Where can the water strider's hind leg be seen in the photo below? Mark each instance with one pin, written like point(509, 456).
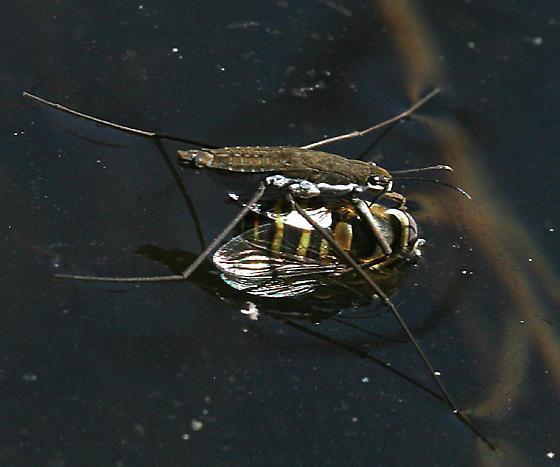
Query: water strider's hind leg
point(357, 133)
point(195, 264)
point(389, 304)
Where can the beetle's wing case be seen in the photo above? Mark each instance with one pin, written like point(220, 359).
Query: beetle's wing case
point(264, 261)
point(288, 258)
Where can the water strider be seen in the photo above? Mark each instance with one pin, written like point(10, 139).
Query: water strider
point(300, 174)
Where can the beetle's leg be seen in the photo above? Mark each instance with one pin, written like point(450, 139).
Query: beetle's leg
point(195, 264)
point(116, 126)
point(355, 134)
point(366, 215)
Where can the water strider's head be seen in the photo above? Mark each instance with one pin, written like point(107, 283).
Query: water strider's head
point(197, 157)
point(379, 179)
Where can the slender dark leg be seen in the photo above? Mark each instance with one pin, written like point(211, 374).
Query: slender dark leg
point(116, 126)
point(195, 264)
point(355, 134)
point(387, 302)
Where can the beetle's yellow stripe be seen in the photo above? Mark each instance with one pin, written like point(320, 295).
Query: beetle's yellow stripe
point(303, 244)
point(278, 229)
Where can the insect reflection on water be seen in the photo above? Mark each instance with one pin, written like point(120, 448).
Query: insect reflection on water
point(304, 173)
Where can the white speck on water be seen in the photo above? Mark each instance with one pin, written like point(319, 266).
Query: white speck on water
point(354, 419)
point(365, 379)
point(251, 311)
point(196, 425)
point(186, 436)
point(530, 260)
point(174, 50)
point(551, 229)
point(437, 373)
point(221, 68)
point(140, 7)
point(29, 377)
point(537, 40)
point(471, 45)
point(550, 454)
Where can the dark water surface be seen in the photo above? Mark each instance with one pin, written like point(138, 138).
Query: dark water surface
point(169, 374)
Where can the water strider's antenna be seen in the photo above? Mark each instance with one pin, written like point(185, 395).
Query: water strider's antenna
point(436, 181)
point(422, 169)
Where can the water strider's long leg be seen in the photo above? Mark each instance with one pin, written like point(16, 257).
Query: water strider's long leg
point(387, 302)
point(357, 133)
point(156, 137)
point(116, 126)
point(195, 264)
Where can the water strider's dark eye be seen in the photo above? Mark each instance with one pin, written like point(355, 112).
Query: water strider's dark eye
point(380, 181)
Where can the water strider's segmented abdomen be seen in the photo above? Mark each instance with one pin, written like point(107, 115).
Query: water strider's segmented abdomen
point(308, 164)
